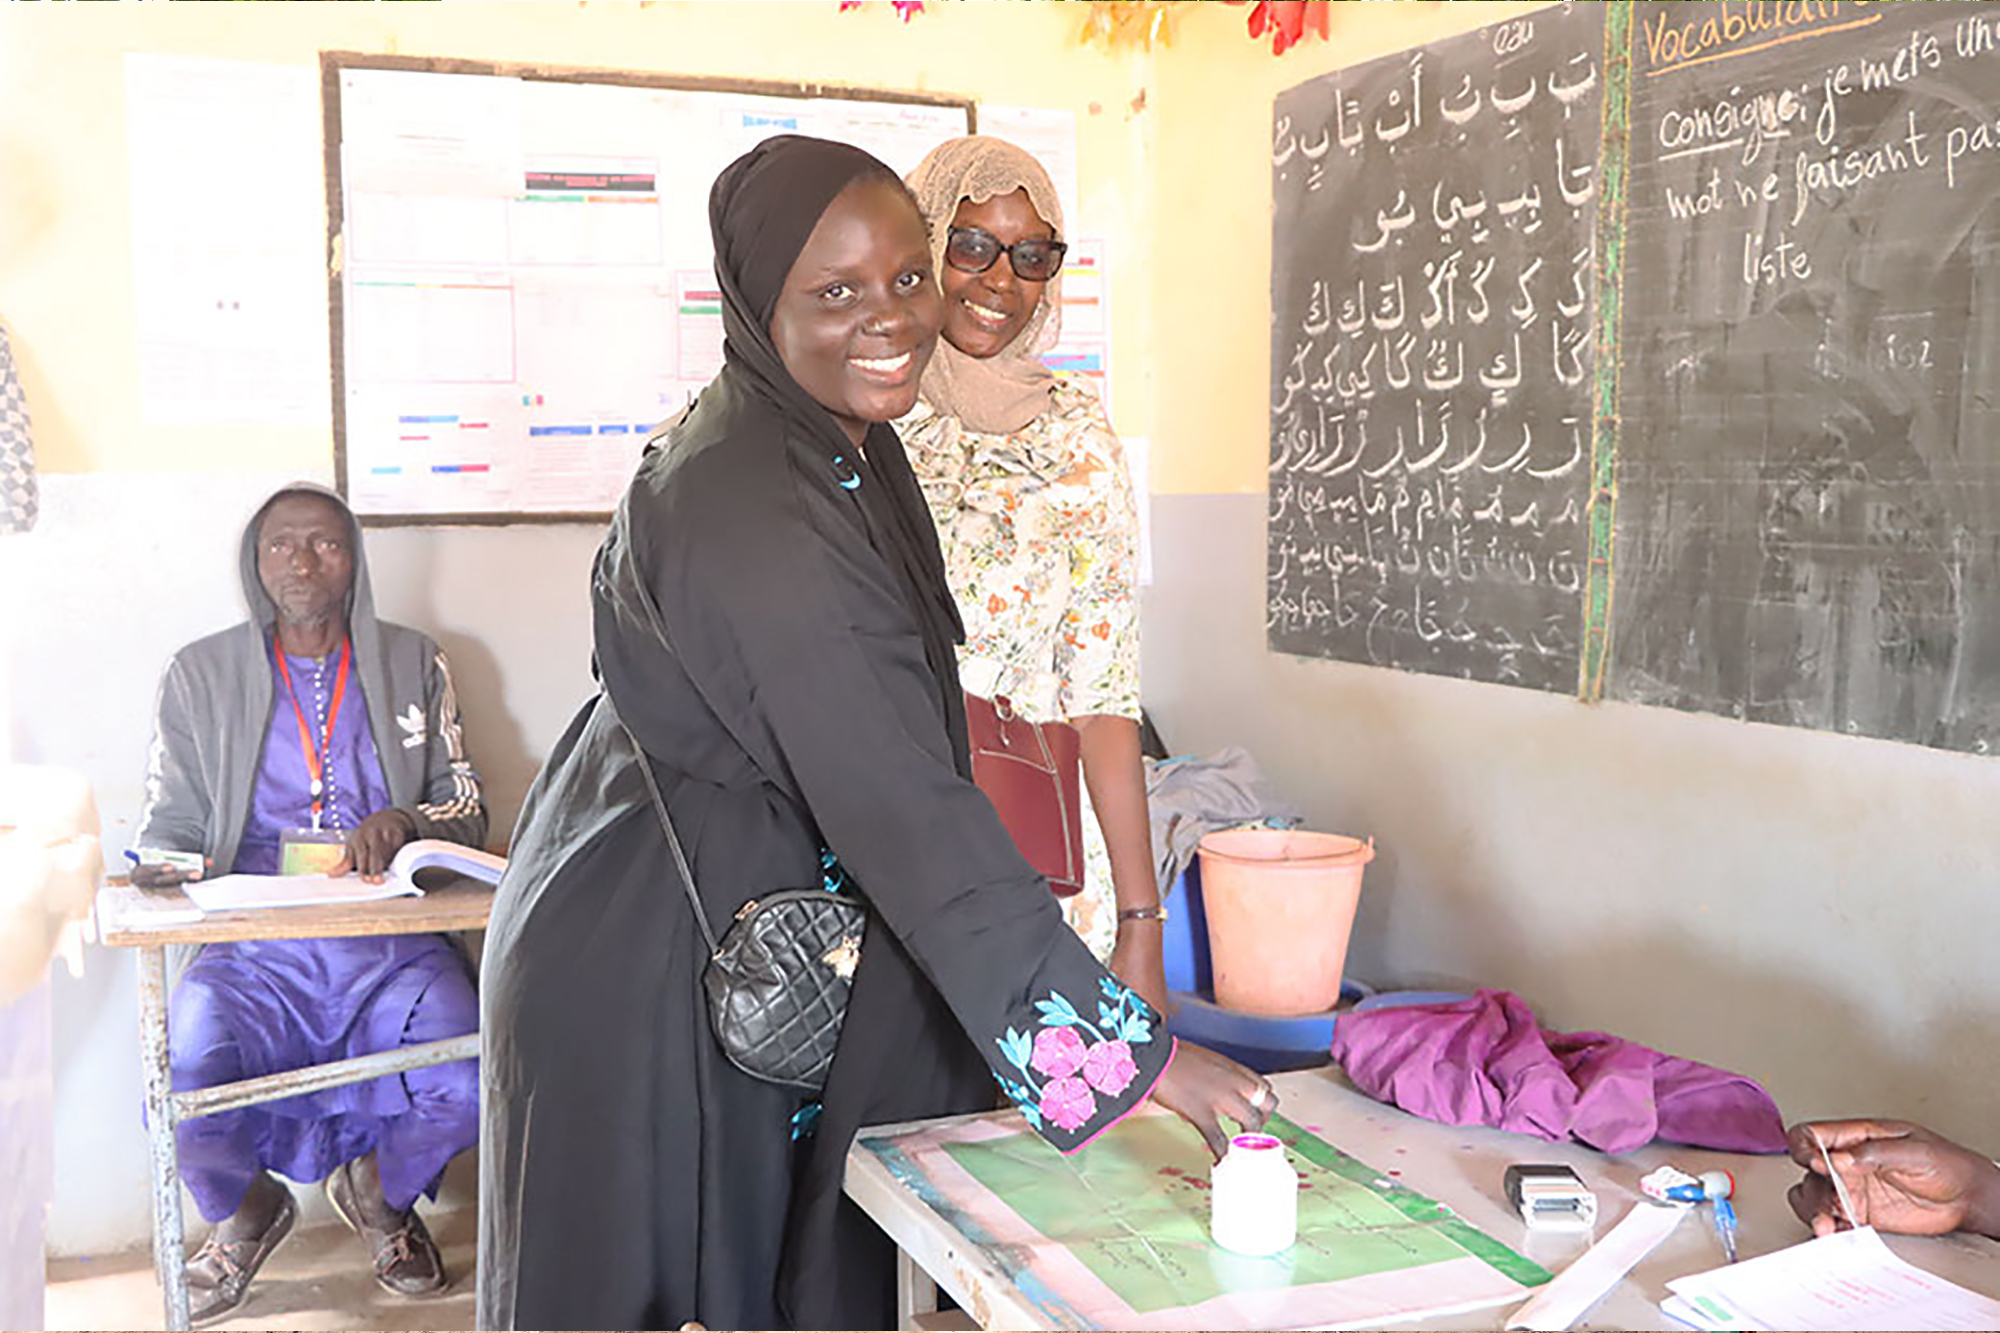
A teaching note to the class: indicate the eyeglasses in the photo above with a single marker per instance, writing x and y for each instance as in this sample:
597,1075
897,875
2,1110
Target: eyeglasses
970,250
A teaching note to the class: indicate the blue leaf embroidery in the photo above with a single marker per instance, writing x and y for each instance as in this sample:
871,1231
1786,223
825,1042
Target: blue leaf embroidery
1127,1020
1017,1048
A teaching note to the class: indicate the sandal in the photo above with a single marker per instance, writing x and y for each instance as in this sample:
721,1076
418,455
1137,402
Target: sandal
219,1273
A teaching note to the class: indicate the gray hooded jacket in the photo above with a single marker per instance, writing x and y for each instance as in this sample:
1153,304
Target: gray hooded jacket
214,712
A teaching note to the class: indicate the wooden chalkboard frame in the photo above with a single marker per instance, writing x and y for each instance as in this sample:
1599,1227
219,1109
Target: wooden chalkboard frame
1613,171
333,63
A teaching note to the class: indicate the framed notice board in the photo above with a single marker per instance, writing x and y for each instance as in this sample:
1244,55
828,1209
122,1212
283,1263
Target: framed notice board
521,280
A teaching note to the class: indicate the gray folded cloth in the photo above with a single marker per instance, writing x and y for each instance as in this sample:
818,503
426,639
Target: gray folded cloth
20,501
1191,797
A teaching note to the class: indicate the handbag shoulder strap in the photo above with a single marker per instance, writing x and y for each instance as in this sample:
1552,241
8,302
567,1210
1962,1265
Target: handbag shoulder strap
667,827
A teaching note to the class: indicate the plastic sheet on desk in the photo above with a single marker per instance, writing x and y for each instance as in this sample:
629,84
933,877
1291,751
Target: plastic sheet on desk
1116,1235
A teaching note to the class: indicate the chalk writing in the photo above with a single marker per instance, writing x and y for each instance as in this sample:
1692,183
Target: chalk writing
1809,471
1432,354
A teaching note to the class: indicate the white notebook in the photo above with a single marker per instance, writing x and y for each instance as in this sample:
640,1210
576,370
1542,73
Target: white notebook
238,893
1849,1280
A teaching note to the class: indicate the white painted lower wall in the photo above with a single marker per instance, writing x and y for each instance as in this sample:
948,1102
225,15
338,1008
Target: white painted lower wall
1819,912
1816,911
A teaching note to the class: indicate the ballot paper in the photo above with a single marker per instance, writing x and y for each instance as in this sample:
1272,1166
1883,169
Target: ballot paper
1600,1268
1118,1233
238,893
1849,1280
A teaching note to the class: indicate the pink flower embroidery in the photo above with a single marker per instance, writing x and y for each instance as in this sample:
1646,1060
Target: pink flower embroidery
1108,1067
1058,1052
1067,1102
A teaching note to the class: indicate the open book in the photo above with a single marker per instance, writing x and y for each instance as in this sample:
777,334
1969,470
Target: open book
237,893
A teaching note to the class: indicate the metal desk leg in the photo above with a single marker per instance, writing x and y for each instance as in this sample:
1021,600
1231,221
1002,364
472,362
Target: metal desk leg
916,1294
169,1238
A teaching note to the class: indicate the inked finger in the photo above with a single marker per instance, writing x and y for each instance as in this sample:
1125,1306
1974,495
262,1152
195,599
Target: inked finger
1213,1133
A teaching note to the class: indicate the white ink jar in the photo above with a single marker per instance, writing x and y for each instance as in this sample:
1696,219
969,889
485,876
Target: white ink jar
1254,1197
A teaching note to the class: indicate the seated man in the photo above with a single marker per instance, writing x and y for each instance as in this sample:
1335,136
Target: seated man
313,729
1899,1177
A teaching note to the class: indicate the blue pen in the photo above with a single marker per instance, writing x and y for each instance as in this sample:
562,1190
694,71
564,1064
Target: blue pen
1725,1227
190,863
1714,1187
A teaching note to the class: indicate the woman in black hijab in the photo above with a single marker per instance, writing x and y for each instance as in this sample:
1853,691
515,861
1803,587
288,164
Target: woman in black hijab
773,625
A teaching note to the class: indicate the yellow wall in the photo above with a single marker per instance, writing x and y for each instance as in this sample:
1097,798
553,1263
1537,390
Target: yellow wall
1171,150
1725,947
66,282
1211,95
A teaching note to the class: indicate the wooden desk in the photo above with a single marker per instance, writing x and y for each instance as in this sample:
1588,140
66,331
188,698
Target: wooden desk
129,918
1459,1167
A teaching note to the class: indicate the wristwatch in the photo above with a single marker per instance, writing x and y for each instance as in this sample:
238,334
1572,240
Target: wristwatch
1155,913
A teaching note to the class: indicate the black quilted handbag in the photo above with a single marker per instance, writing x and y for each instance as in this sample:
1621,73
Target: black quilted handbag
777,980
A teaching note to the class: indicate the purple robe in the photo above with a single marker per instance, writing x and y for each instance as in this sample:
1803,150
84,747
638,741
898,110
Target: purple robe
263,1006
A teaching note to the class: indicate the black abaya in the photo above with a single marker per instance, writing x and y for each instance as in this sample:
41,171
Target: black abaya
780,644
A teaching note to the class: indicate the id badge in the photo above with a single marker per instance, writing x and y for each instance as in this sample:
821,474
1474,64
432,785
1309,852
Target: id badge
308,851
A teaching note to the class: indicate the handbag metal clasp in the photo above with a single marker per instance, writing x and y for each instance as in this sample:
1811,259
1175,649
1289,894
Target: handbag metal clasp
844,957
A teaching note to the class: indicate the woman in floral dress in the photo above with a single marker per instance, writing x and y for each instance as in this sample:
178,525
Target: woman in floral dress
1034,509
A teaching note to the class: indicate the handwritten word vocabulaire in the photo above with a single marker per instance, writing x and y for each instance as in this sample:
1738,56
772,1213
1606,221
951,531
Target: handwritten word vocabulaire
1725,28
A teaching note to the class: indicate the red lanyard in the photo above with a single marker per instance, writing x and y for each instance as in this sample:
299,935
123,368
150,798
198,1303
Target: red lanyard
316,756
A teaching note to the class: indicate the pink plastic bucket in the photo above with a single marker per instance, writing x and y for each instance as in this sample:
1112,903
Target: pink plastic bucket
1280,906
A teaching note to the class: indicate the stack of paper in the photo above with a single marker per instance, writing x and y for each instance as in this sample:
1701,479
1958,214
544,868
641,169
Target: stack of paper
1849,1280
237,893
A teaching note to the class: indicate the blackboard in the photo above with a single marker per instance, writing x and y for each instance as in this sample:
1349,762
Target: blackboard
1790,505
1433,306
1809,476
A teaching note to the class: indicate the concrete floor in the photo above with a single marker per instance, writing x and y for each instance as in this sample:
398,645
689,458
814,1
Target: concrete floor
319,1278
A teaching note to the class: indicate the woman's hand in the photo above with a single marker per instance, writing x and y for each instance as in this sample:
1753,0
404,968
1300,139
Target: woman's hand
1138,961
1900,1177
1201,1087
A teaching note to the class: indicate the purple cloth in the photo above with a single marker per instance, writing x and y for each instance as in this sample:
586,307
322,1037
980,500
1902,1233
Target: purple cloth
1484,1060
264,1006
282,798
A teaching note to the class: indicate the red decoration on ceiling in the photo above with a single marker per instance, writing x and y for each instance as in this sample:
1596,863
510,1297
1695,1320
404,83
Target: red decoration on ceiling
1287,21
905,8
1116,24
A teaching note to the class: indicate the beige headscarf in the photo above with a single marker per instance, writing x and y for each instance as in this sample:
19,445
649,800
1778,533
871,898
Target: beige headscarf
1000,394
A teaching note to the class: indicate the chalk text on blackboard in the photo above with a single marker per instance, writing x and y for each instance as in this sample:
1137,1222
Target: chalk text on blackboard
1735,28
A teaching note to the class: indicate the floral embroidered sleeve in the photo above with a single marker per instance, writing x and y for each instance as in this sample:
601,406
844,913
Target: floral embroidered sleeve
1075,1076
1097,656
